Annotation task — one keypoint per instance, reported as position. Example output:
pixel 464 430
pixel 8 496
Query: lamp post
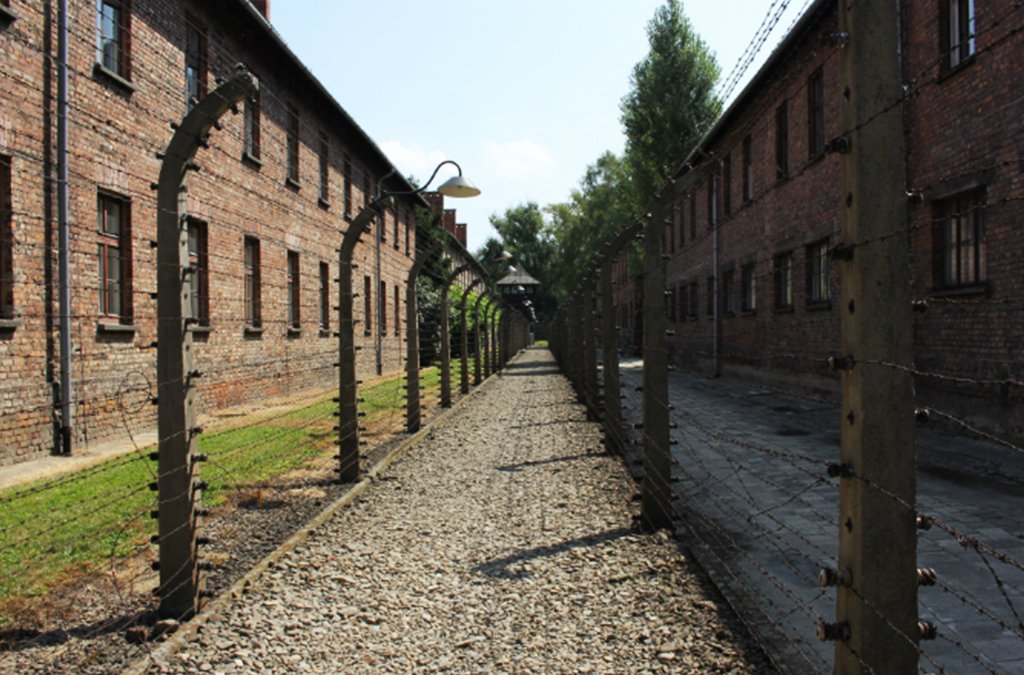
pixel 348 419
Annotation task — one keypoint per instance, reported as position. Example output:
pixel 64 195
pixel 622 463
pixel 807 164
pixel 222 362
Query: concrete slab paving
pixel 752 491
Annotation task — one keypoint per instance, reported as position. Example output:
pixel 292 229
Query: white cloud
pixel 517 159
pixel 412 159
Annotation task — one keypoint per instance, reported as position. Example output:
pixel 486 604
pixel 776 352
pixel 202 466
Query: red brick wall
pixel 115 132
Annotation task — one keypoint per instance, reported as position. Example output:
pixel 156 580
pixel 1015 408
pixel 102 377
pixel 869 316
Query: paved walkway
pixel 503 542
pixel 750 476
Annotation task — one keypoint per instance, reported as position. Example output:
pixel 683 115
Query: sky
pixel 523 95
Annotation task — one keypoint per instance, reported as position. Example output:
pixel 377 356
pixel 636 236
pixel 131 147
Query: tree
pixel 526 236
pixel 672 101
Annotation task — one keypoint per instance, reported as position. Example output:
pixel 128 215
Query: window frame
pixel 251 120
pixel 292 130
pixel 196 61
pixel 325 296
pixel 782 274
pixel 748 289
pixel 959 17
pixel 323 162
pixel 816 114
pixel 819 292
pixel 727 292
pixel 782 141
pixel 252 296
pixel 694 304
pixel 294 275
pixel 120 242
pixel 7 306
pixel 199 276
pixel 122 69
pixel 693 215
pixel 367 305
pixel 347 185
pixel 748 169
pixel 727 185
pixel 952 272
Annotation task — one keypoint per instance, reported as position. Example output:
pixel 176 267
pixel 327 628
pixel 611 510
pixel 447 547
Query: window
pixel 817 273
pixel 198 278
pixel 681 296
pixel 727 185
pixel 693 215
pixel 113 23
pixel 782 141
pixel 292 134
pixel 958 39
pixel 728 292
pixel 784 281
pixel 694 300
pixel 383 299
pixel 6 241
pixel 195 62
pixel 324 158
pixel 960 241
pixel 367 307
pixel 677 215
pixel 398 312
pixel 252 283
pixel 115 258
pixel 347 178
pixel 749 288
pixel 251 121
pixel 408 229
pixel 394 237
pixel 748 170
pixel 711 296
pixel 670 235
pixel 815 114
pixel 294 291
pixel 712 201
pixel 325 296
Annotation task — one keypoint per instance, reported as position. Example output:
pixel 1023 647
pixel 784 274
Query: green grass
pixel 58 530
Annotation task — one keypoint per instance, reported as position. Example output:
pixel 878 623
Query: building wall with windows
pixel 749 290
pixel 755 211
pixel 266 213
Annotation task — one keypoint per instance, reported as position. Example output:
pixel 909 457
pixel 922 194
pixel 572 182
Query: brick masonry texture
pixel 115 129
pixel 964 131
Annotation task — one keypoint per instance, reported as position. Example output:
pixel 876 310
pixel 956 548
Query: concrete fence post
pixel 876 610
pixel 413 415
pixel 464 337
pixel 609 344
pixel 179 492
pixel 446 342
pixel 477 341
pixel 656 504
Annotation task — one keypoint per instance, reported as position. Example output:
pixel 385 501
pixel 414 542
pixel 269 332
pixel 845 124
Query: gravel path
pixel 503 542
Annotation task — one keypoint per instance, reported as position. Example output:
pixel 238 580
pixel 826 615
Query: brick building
pixel 266 215
pixel 751 283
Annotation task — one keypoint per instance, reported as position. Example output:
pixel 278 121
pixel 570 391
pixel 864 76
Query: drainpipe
pixel 64 290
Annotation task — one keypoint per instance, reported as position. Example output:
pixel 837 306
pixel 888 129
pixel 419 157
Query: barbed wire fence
pixel 754 488
pixel 97 552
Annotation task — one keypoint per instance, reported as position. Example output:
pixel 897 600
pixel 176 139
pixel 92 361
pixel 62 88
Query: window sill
pixel 950 71
pixel 7 14
pixel 787 309
pixel 201 330
pixel 325 332
pixel 120 328
pixel 981 288
pixel 294 332
pixel 819 305
pixel 252 160
pixel 253 331
pixel 10 324
pixel 105 73
pixel 323 203
pixel 292 183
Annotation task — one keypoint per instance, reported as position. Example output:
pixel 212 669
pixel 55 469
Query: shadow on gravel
pixel 554 460
pixel 499 569
pixel 531 425
pixel 19 639
pixel 531 369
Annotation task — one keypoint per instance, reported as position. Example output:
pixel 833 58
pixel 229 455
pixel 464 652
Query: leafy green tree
pixel 527 237
pixel 672 101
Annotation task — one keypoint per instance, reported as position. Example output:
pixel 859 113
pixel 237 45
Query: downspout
pixel 66 393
